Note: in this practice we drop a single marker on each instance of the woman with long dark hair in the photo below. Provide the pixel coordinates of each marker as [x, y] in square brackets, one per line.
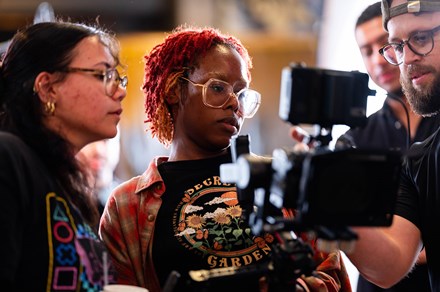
[59, 90]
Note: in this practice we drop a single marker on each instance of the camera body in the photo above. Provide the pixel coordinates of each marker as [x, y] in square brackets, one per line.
[331, 189]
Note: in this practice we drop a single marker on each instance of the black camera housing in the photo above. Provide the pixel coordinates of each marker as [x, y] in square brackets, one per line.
[323, 97]
[328, 188]
[327, 191]
[334, 189]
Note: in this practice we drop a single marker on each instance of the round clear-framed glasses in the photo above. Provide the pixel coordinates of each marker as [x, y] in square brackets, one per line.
[420, 43]
[111, 78]
[216, 94]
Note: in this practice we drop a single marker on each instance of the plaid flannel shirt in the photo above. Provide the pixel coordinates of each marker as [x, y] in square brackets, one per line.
[127, 229]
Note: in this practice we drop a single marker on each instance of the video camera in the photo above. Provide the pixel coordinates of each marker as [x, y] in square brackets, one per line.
[329, 190]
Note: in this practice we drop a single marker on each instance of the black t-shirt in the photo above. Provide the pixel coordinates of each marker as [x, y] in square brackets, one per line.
[419, 199]
[384, 131]
[45, 245]
[199, 226]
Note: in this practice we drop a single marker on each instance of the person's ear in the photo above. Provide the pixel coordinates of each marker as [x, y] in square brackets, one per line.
[172, 99]
[43, 87]
[173, 96]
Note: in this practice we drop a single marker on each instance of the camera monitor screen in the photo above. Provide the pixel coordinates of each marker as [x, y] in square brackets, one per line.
[323, 97]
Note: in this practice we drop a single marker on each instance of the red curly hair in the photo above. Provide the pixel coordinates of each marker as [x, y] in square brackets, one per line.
[168, 61]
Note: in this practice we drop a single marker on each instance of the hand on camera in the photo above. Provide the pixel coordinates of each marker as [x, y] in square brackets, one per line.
[302, 137]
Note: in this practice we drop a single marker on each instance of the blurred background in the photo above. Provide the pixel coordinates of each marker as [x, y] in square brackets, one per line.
[276, 32]
[319, 33]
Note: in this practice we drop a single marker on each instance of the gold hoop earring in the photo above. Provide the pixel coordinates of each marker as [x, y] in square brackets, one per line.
[49, 108]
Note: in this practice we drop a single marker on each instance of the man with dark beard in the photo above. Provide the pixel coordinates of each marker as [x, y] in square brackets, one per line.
[394, 126]
[386, 255]
[419, 93]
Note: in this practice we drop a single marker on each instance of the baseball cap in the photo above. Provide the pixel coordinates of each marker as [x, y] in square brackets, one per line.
[408, 7]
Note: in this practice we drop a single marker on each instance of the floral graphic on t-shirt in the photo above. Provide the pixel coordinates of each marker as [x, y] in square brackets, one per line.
[211, 222]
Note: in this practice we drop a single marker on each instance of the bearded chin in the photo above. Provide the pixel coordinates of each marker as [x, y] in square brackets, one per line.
[426, 101]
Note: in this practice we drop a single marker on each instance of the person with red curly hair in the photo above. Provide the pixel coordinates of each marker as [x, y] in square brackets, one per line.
[178, 216]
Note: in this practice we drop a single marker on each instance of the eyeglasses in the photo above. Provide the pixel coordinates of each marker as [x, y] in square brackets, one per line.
[216, 93]
[421, 43]
[111, 78]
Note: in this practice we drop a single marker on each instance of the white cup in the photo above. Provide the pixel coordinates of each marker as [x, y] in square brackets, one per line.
[123, 288]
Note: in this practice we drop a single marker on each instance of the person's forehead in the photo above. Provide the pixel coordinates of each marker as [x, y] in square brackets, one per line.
[370, 32]
[219, 61]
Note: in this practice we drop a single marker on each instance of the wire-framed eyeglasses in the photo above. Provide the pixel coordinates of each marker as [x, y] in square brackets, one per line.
[216, 93]
[111, 78]
[420, 43]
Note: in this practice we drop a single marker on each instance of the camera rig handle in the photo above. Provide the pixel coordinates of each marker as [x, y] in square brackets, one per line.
[240, 145]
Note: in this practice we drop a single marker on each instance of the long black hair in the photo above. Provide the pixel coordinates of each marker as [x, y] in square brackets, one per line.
[46, 47]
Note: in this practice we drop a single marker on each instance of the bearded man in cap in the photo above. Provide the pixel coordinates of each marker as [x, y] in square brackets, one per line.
[386, 255]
